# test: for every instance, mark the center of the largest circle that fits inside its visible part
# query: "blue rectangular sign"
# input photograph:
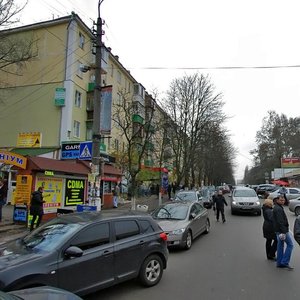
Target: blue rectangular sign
(85, 151)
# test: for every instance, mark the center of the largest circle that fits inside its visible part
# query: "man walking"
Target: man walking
(36, 207)
(218, 202)
(281, 227)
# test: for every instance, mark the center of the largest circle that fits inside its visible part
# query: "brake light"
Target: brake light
(163, 236)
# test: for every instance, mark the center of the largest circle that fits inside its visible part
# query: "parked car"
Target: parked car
(261, 189)
(188, 195)
(206, 195)
(245, 199)
(38, 293)
(86, 251)
(294, 206)
(291, 193)
(182, 221)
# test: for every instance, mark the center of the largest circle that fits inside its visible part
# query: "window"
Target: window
(79, 71)
(125, 229)
(93, 236)
(117, 144)
(119, 77)
(77, 99)
(76, 129)
(81, 40)
(146, 226)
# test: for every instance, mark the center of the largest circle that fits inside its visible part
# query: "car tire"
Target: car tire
(207, 227)
(259, 213)
(297, 211)
(188, 241)
(151, 271)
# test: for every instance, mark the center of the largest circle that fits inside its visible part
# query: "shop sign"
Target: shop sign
(291, 162)
(23, 189)
(49, 173)
(70, 150)
(52, 192)
(60, 95)
(29, 140)
(74, 191)
(14, 159)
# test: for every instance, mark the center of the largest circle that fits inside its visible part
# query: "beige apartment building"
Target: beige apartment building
(48, 100)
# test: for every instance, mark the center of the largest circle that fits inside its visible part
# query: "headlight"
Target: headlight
(178, 231)
(234, 202)
(257, 203)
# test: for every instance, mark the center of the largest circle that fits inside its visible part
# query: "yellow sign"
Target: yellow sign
(52, 193)
(11, 158)
(23, 189)
(29, 140)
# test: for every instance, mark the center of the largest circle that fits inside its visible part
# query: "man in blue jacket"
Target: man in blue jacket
(281, 227)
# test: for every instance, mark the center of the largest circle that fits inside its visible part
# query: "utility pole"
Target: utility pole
(96, 139)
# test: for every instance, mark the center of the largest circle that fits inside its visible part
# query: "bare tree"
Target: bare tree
(191, 104)
(15, 48)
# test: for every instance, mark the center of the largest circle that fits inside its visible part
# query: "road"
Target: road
(228, 263)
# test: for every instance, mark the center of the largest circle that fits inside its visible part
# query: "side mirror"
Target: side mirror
(73, 251)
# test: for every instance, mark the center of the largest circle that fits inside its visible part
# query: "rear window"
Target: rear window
(126, 228)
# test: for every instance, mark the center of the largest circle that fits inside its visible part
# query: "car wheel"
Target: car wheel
(151, 270)
(207, 227)
(259, 213)
(188, 241)
(297, 210)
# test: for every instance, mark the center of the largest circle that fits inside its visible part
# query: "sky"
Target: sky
(249, 49)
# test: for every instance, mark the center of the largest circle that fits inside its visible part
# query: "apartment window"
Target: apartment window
(119, 77)
(78, 99)
(81, 40)
(116, 144)
(79, 71)
(76, 129)
(112, 70)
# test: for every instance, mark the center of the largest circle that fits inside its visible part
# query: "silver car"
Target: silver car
(245, 199)
(182, 221)
(294, 206)
(291, 193)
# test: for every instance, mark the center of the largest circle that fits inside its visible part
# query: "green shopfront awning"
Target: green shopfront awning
(32, 151)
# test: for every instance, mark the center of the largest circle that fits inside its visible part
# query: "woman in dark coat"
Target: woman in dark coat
(268, 230)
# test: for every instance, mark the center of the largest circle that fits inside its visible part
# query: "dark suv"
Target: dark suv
(87, 251)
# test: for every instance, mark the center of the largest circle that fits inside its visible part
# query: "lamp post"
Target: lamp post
(96, 138)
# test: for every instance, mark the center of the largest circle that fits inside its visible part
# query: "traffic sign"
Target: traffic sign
(85, 151)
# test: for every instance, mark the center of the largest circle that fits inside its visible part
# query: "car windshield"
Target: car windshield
(171, 211)
(186, 196)
(245, 193)
(50, 236)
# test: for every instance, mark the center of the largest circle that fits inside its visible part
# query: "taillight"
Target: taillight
(163, 236)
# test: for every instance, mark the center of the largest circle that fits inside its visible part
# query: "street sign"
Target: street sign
(85, 151)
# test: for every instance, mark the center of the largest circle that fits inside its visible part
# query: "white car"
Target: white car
(243, 200)
(291, 193)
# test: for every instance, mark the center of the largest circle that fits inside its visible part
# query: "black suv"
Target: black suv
(87, 251)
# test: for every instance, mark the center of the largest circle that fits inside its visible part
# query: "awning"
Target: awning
(33, 151)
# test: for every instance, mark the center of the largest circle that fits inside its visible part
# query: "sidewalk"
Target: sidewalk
(9, 230)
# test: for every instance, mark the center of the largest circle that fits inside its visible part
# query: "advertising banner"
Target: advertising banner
(29, 140)
(74, 191)
(52, 192)
(106, 105)
(291, 162)
(23, 189)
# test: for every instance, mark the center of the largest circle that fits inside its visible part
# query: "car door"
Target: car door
(94, 269)
(129, 248)
(197, 222)
(292, 193)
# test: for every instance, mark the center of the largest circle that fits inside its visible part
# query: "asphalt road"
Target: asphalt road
(228, 263)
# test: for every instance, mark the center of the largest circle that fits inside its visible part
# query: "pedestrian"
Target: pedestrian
(218, 205)
(3, 193)
(36, 207)
(169, 191)
(116, 192)
(268, 229)
(284, 240)
(283, 191)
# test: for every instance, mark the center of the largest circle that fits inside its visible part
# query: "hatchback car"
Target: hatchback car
(291, 193)
(294, 206)
(38, 293)
(86, 251)
(245, 199)
(182, 221)
(188, 195)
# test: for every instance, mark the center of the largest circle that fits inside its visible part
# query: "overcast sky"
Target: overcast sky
(184, 37)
